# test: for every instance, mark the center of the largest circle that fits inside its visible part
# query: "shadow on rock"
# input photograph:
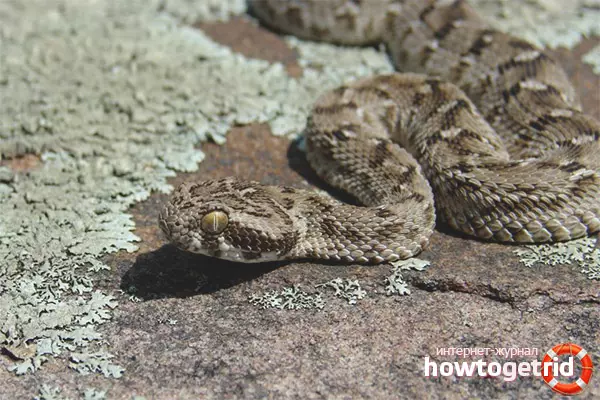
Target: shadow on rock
(170, 272)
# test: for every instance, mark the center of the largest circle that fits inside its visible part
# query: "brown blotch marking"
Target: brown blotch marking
(197, 189)
(323, 207)
(340, 135)
(459, 148)
(433, 139)
(441, 33)
(513, 91)
(463, 66)
(480, 43)
(426, 54)
(521, 44)
(256, 195)
(402, 53)
(416, 196)
(350, 20)
(288, 190)
(449, 118)
(426, 11)
(531, 66)
(328, 225)
(583, 183)
(263, 213)
(294, 17)
(375, 90)
(288, 203)
(437, 93)
(408, 174)
(380, 154)
(464, 167)
(418, 99)
(319, 32)
(247, 239)
(335, 108)
(182, 203)
(572, 166)
(434, 84)
(281, 213)
(542, 122)
(385, 213)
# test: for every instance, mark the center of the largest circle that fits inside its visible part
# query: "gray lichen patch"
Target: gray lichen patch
(583, 253)
(592, 57)
(190, 11)
(288, 298)
(54, 393)
(100, 362)
(395, 283)
(347, 289)
(49, 393)
(550, 23)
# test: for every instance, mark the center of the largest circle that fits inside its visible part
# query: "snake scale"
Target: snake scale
(493, 132)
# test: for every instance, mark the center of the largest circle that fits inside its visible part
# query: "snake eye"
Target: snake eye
(215, 222)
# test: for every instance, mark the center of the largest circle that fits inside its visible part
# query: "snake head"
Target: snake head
(229, 219)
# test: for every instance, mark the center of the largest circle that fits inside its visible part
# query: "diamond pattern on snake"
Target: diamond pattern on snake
(478, 130)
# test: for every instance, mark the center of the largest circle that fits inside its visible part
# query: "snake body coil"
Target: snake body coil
(504, 150)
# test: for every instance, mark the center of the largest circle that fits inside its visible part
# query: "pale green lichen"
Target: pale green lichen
(99, 362)
(289, 298)
(53, 393)
(550, 23)
(583, 253)
(114, 96)
(48, 392)
(93, 394)
(593, 58)
(347, 289)
(395, 283)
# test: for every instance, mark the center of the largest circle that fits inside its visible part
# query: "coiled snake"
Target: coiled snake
(504, 149)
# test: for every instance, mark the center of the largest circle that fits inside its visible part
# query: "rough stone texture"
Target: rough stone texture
(196, 336)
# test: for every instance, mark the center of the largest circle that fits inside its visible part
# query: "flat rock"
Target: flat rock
(196, 335)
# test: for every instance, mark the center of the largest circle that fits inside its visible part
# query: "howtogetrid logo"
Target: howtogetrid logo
(550, 369)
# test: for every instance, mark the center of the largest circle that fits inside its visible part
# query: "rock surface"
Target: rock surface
(195, 335)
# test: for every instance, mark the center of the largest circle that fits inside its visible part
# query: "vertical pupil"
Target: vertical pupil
(215, 222)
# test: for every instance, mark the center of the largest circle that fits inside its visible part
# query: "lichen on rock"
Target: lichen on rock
(113, 96)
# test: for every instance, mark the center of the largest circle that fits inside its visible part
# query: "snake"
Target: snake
(476, 129)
